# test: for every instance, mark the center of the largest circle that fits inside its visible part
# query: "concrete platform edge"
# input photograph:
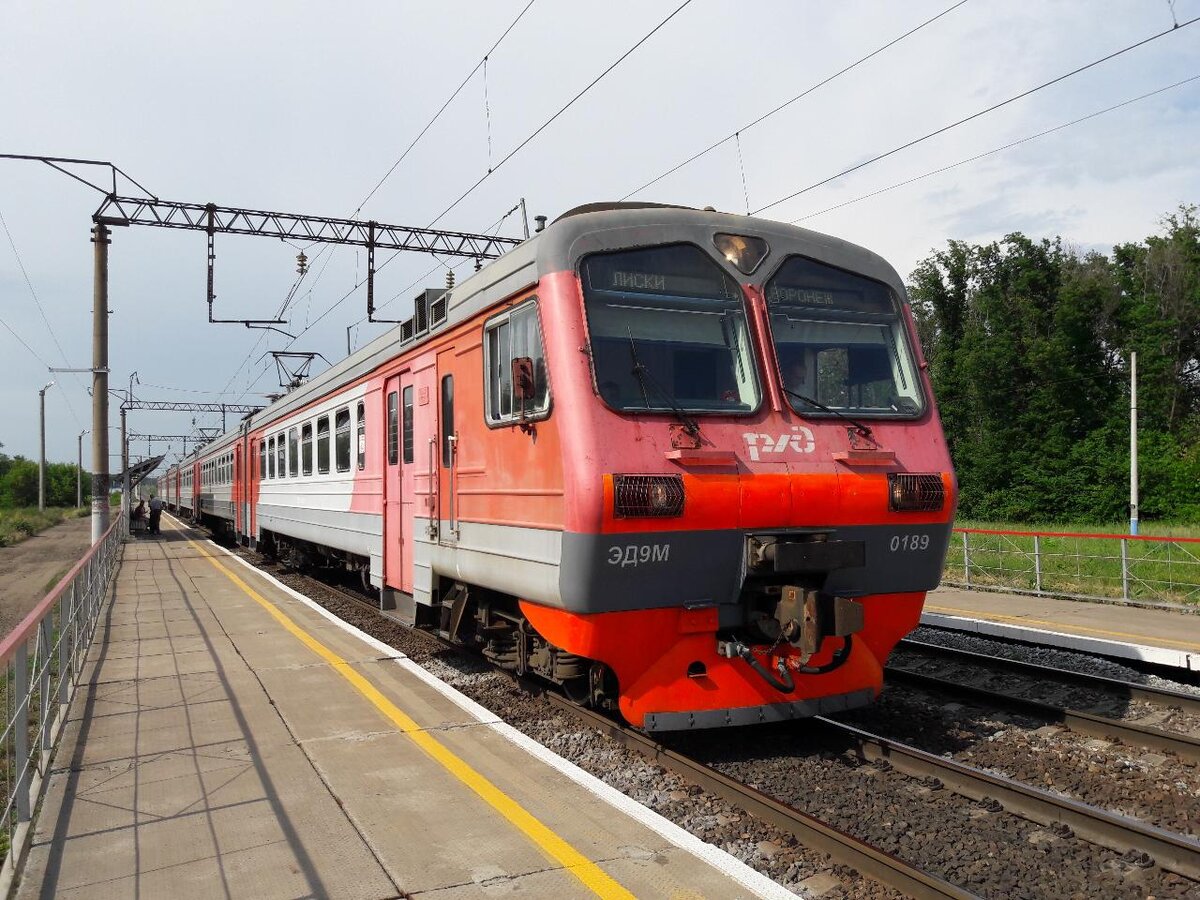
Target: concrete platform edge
(1162, 656)
(724, 862)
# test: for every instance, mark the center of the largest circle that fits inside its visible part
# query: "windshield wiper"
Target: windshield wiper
(690, 425)
(858, 426)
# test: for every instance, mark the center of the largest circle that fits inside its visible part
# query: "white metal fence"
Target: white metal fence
(1142, 568)
(43, 658)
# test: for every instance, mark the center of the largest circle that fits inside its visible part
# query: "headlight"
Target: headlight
(647, 496)
(742, 250)
(915, 493)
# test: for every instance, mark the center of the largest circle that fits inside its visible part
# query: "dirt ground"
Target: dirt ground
(29, 569)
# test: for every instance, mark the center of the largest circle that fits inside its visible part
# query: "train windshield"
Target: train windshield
(841, 342)
(668, 330)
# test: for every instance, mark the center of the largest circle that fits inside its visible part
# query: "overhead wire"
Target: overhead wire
(325, 251)
(975, 115)
(41, 311)
(24, 344)
(561, 110)
(994, 150)
(782, 106)
(442, 108)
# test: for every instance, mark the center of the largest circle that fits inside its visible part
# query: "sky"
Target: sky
(303, 107)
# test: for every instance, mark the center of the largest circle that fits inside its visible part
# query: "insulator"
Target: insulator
(478, 264)
(449, 279)
(301, 263)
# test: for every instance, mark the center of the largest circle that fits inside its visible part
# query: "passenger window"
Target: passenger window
(361, 414)
(514, 334)
(281, 453)
(293, 452)
(408, 424)
(391, 429)
(271, 458)
(323, 445)
(342, 440)
(306, 449)
(447, 419)
(262, 459)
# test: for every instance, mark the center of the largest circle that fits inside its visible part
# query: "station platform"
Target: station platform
(234, 739)
(1160, 636)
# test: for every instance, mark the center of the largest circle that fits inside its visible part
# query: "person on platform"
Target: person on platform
(156, 508)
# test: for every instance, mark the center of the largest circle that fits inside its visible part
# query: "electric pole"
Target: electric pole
(42, 446)
(1133, 450)
(79, 472)
(100, 519)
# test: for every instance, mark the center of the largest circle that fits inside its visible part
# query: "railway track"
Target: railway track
(1183, 746)
(869, 860)
(1140, 844)
(1174, 852)
(1127, 689)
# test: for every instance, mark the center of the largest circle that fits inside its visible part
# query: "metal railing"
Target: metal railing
(1141, 568)
(42, 660)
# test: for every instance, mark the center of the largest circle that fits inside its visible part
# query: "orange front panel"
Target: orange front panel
(650, 652)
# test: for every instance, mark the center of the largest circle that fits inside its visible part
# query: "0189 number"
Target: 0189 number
(909, 542)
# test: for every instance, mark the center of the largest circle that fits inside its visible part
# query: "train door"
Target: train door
(236, 494)
(253, 474)
(446, 452)
(395, 532)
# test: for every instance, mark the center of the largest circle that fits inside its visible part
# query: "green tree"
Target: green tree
(19, 486)
(1019, 337)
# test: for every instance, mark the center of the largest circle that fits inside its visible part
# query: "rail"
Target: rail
(1088, 566)
(868, 860)
(42, 660)
(1177, 853)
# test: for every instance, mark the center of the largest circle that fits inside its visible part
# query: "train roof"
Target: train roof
(592, 228)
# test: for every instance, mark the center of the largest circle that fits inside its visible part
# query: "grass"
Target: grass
(1161, 571)
(1155, 529)
(18, 524)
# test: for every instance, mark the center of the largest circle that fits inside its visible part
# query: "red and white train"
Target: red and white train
(684, 463)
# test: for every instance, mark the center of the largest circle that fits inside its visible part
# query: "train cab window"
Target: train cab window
(262, 460)
(447, 420)
(341, 440)
(514, 334)
(361, 434)
(323, 445)
(293, 452)
(281, 454)
(306, 449)
(271, 457)
(392, 437)
(841, 342)
(408, 424)
(668, 331)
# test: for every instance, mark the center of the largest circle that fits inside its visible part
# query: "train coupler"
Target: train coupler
(807, 617)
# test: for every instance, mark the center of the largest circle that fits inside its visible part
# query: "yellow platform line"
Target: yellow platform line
(595, 878)
(1062, 628)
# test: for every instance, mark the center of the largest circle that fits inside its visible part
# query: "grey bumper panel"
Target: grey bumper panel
(758, 715)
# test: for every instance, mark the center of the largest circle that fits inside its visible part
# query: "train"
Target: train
(686, 465)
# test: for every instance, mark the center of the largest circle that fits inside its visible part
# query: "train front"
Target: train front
(759, 492)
